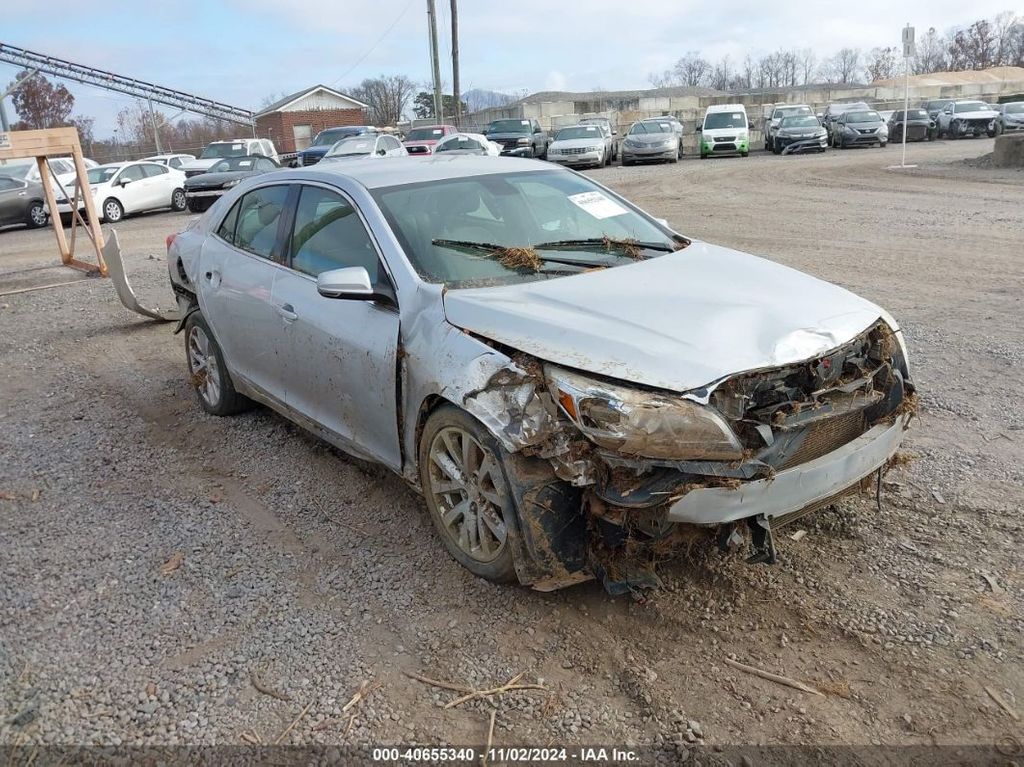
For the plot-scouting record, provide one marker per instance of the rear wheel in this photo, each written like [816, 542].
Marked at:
[178, 201]
[35, 216]
[207, 372]
[467, 494]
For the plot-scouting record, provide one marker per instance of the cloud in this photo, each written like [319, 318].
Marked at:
[555, 81]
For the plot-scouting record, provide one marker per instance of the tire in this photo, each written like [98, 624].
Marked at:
[674, 159]
[883, 144]
[703, 155]
[628, 163]
[744, 154]
[461, 467]
[178, 201]
[776, 147]
[35, 215]
[208, 374]
[112, 211]
[954, 130]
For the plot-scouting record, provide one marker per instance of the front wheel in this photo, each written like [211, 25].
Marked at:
[178, 202]
[207, 372]
[113, 211]
[35, 216]
[467, 494]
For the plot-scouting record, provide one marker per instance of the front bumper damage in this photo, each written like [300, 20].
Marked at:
[797, 145]
[812, 433]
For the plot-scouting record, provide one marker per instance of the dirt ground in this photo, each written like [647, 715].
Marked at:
[170, 577]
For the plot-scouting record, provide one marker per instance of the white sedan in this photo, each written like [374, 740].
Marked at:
[121, 188]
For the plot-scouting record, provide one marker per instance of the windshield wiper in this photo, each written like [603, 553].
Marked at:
[608, 243]
[516, 258]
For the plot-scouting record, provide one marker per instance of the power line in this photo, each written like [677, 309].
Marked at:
[380, 39]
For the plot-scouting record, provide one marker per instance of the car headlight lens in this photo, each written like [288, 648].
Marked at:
[629, 142]
[642, 423]
[523, 140]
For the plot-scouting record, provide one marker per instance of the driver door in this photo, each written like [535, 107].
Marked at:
[339, 356]
[132, 194]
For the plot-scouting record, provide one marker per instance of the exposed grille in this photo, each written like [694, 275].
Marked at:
[725, 138]
[826, 435]
[865, 131]
[723, 147]
[511, 143]
[575, 150]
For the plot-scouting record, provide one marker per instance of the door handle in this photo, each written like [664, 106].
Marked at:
[287, 311]
[213, 277]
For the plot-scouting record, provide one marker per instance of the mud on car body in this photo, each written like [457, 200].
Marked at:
[575, 388]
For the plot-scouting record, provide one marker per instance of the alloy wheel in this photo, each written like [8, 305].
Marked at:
[37, 213]
[463, 482]
[202, 363]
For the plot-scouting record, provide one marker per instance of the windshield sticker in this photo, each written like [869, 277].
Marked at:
[597, 205]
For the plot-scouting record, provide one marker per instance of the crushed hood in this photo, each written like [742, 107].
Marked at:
[677, 322]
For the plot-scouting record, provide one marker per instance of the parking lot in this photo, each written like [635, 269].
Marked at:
[171, 577]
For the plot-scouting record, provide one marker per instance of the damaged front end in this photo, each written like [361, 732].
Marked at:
[610, 478]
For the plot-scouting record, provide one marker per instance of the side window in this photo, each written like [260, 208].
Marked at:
[264, 164]
[152, 169]
[226, 230]
[392, 143]
[329, 235]
[132, 173]
[174, 162]
[259, 213]
[8, 183]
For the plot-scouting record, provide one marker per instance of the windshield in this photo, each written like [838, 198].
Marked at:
[512, 211]
[334, 135]
[970, 106]
[351, 146]
[806, 121]
[863, 117]
[1014, 109]
[234, 163]
[714, 120]
[913, 114]
[102, 174]
[225, 149]
[579, 131]
[791, 111]
[424, 134]
[510, 126]
[650, 127]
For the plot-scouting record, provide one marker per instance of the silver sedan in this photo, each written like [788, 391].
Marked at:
[569, 382]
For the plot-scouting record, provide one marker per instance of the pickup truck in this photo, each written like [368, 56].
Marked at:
[771, 122]
[218, 150]
[519, 137]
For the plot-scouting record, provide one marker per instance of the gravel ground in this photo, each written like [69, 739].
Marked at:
[167, 577]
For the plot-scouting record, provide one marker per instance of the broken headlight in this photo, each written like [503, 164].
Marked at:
[642, 423]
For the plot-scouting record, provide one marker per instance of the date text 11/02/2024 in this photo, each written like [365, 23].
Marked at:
[522, 754]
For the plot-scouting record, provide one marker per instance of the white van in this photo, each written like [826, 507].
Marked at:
[724, 130]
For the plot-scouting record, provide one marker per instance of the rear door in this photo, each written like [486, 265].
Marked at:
[159, 185]
[13, 197]
[340, 355]
[239, 263]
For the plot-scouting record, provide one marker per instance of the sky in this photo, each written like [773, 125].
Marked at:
[242, 52]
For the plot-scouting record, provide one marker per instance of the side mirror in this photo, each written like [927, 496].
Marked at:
[124, 182]
[351, 283]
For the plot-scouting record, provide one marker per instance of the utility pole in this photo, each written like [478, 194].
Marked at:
[455, 63]
[156, 130]
[438, 103]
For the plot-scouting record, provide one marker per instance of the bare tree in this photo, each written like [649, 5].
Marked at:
[881, 64]
[931, 53]
[806, 61]
[386, 96]
[692, 69]
[974, 47]
[842, 68]
[723, 74]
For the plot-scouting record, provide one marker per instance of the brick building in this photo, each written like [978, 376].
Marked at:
[294, 121]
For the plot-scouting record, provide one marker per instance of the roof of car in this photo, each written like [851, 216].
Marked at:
[374, 173]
